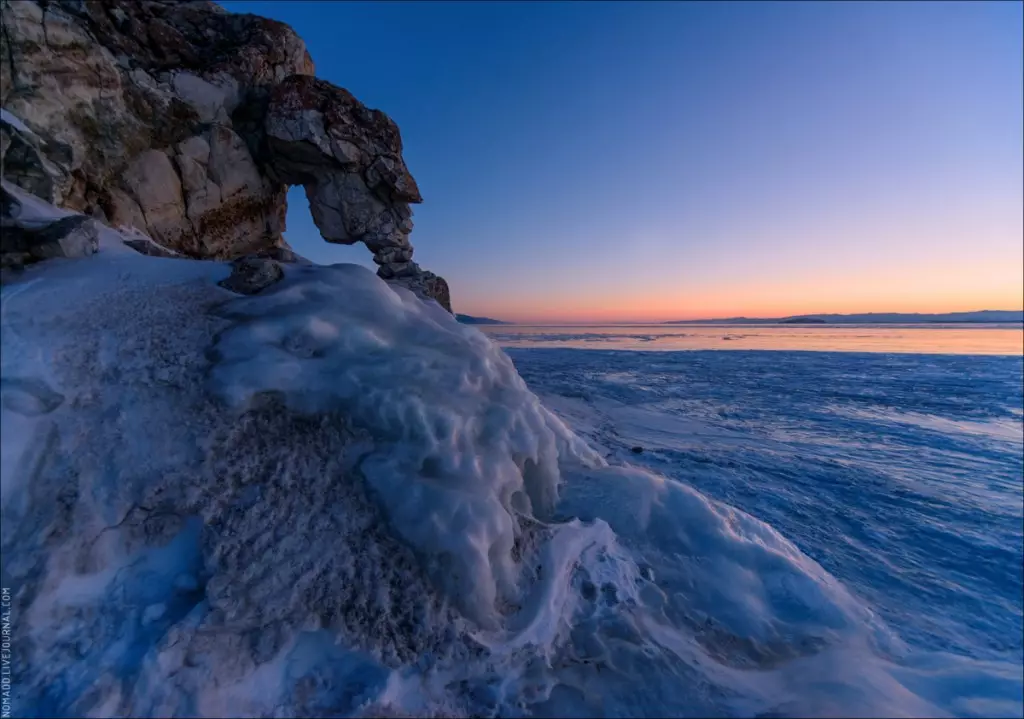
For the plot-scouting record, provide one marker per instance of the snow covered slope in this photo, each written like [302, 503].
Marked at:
[201, 448]
[331, 498]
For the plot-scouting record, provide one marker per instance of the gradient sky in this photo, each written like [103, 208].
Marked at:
[640, 161]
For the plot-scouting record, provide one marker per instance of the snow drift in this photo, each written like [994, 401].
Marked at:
[462, 447]
[333, 454]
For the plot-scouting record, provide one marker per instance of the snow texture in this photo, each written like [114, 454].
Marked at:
[464, 446]
[331, 499]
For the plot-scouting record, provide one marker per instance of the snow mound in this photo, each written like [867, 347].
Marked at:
[154, 537]
[463, 448]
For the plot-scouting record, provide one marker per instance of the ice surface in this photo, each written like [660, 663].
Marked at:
[333, 499]
[899, 474]
[931, 338]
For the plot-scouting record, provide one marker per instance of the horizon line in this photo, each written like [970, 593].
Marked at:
[733, 318]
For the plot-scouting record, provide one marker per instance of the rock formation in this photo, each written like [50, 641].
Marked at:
[74, 236]
[251, 275]
[189, 123]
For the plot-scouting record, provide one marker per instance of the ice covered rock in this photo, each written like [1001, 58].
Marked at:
[188, 123]
[250, 275]
[464, 449]
[75, 236]
[422, 283]
[26, 237]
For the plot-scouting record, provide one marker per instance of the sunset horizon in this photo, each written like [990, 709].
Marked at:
[568, 314]
[729, 176]
[684, 317]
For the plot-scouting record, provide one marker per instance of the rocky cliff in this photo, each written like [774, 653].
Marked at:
[189, 123]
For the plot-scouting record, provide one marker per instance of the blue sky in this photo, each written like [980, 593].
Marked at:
[634, 161]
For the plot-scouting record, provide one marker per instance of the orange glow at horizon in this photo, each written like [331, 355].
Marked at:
[929, 289]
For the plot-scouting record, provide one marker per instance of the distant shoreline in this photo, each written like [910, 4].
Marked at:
[760, 323]
[873, 318]
[982, 317]
[835, 323]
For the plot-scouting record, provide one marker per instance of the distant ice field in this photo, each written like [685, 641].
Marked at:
[952, 338]
[900, 474]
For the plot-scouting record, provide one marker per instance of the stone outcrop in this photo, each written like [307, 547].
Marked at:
[23, 243]
[251, 275]
[75, 236]
[348, 159]
[189, 123]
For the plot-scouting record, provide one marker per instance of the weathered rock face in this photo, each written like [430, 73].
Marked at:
[122, 97]
[189, 122]
[349, 160]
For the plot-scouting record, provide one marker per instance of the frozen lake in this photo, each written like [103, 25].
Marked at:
[979, 339]
[900, 474]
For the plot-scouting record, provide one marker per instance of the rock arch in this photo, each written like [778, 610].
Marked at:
[189, 123]
[349, 160]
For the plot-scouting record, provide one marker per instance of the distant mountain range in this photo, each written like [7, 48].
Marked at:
[470, 320]
[868, 318]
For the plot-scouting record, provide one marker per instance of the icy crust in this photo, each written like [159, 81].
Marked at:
[169, 556]
[724, 606]
[462, 446]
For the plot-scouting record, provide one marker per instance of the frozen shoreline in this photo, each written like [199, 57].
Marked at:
[330, 497]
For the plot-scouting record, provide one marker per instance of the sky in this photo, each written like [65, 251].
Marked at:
[604, 161]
